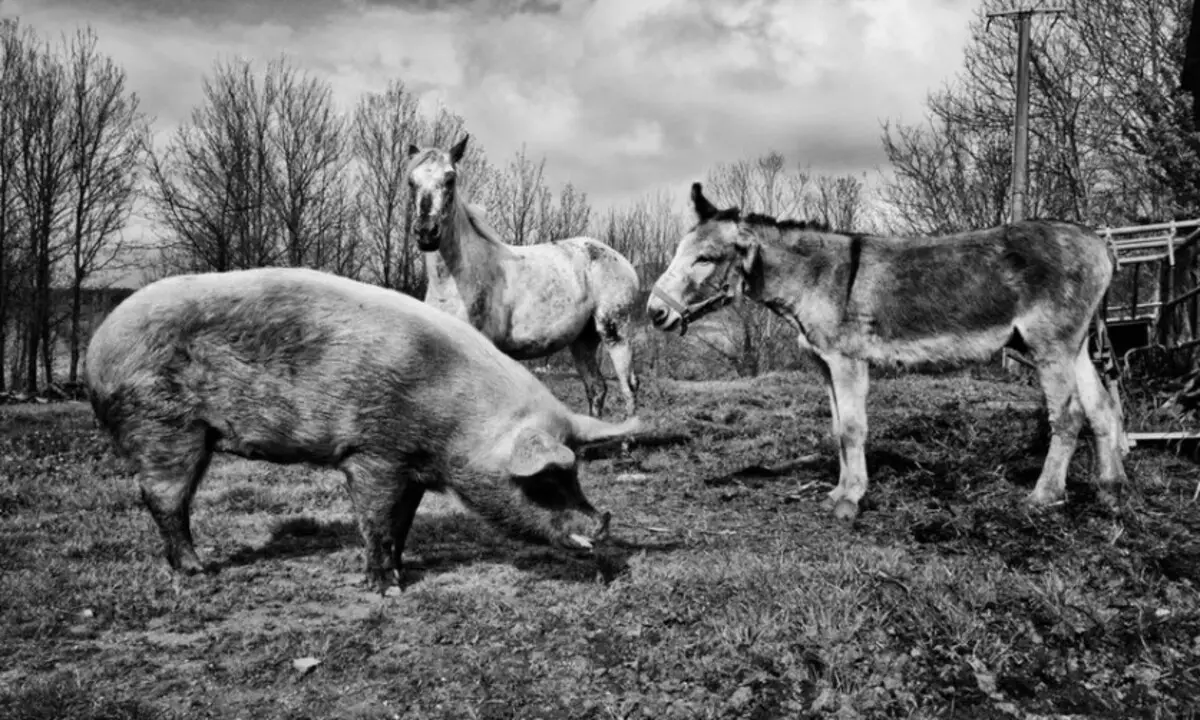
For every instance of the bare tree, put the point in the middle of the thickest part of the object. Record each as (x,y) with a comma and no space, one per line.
(1111,140)
(384,126)
(14,41)
(308,148)
(517,195)
(568,217)
(106,130)
(211,186)
(44,149)
(841,201)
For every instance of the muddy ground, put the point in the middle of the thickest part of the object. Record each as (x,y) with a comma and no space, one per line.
(729,593)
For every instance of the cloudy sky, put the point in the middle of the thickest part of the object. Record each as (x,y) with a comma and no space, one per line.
(621,96)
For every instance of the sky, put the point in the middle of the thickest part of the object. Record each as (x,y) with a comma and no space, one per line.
(622,97)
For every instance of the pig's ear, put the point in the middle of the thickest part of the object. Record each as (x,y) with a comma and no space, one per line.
(535,451)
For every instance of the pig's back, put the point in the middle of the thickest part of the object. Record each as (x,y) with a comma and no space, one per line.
(297,361)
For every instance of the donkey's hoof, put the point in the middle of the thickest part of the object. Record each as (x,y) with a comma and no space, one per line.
(1109,497)
(1037,499)
(845,510)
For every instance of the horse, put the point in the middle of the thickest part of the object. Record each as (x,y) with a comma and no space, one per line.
(532,300)
(858,299)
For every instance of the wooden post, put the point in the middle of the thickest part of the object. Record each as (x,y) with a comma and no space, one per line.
(1020,179)
(1133,295)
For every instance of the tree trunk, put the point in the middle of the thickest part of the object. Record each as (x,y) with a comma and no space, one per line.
(76,308)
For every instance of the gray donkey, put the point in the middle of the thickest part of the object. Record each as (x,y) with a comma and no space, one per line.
(292,365)
(860,299)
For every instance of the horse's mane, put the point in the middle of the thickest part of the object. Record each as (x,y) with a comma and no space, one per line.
(480,224)
(761,220)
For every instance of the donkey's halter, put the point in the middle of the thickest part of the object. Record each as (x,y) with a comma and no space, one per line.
(722,295)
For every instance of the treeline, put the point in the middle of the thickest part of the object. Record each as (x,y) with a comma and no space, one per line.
(267,170)
(71,136)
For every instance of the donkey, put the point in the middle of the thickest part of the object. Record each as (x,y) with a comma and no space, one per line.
(292,365)
(859,299)
(530,301)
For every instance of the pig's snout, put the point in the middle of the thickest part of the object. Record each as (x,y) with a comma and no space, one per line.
(583,531)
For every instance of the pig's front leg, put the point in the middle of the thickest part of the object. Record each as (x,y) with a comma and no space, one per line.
(403,513)
(376,490)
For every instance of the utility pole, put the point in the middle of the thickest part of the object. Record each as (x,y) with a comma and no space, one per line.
(1020,160)
(1020,175)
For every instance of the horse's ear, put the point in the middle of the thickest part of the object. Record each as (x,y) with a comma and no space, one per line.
(459,149)
(413,150)
(704,209)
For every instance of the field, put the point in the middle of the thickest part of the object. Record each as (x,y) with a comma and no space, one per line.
(728,594)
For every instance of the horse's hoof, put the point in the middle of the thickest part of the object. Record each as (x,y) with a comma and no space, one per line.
(845,510)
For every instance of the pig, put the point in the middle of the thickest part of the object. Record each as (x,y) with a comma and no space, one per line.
(292,365)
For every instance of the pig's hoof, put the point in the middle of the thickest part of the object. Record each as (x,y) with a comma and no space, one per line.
(382,579)
(189,564)
(845,510)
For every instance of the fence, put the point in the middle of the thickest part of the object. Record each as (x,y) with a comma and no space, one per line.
(1169,314)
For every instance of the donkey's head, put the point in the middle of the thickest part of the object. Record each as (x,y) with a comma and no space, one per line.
(432,175)
(711,267)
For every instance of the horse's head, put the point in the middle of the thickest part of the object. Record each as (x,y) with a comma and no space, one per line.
(432,175)
(710,267)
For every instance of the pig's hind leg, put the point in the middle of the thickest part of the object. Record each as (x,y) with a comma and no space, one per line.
(171,464)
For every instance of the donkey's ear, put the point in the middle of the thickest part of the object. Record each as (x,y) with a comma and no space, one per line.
(534,452)
(413,150)
(704,209)
(459,149)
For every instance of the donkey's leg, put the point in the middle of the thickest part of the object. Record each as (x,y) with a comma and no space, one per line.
(848,384)
(835,494)
(585,351)
(1104,417)
(1056,370)
(172,464)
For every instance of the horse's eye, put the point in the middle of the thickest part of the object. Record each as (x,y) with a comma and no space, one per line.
(706,260)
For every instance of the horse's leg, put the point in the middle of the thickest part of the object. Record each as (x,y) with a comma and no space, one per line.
(1105,418)
(1056,370)
(585,351)
(848,381)
(620,349)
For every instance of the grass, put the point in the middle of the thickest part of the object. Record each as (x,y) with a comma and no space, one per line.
(730,593)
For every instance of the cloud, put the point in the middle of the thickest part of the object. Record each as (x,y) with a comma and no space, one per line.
(621,96)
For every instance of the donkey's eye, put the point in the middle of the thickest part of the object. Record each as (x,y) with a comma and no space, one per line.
(706,260)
